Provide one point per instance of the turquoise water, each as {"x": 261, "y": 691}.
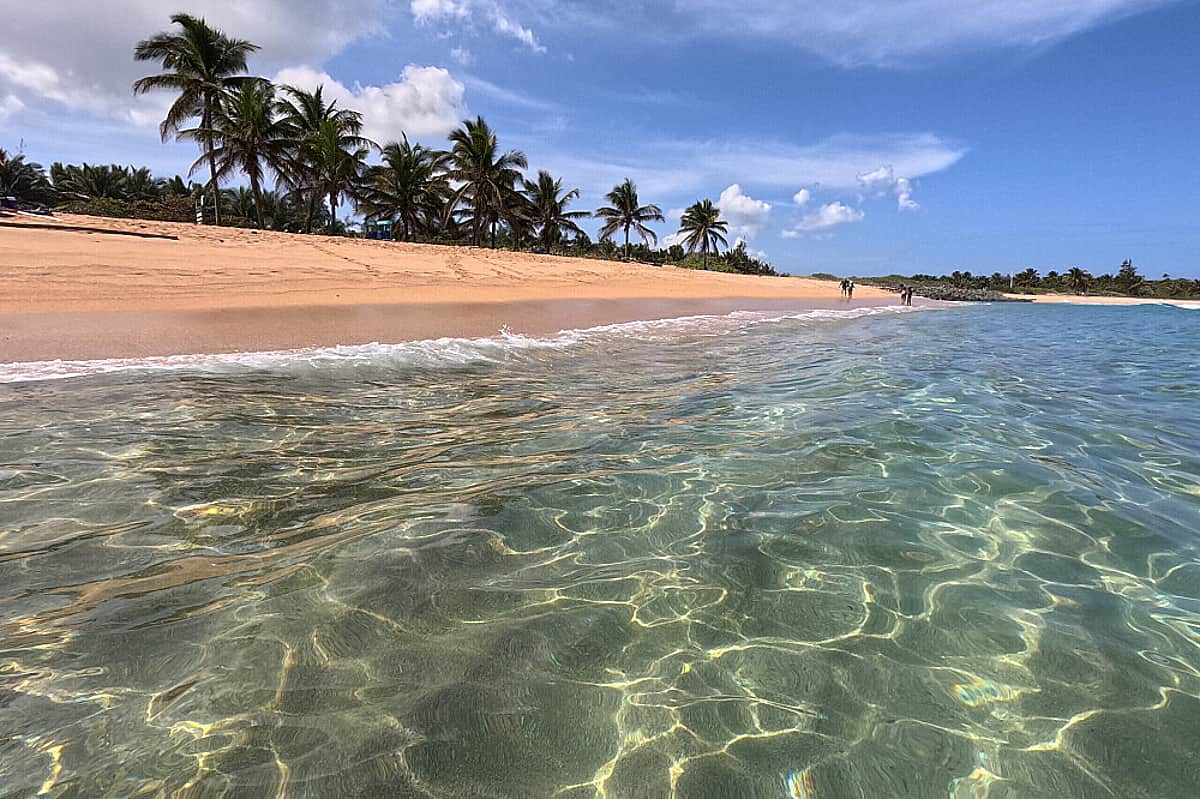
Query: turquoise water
{"x": 933, "y": 554}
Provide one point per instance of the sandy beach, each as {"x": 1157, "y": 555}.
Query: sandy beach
{"x": 155, "y": 288}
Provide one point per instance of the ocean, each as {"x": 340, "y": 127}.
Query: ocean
{"x": 880, "y": 553}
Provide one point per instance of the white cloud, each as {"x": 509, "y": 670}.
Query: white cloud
{"x": 463, "y": 56}
{"x": 671, "y": 239}
{"x": 893, "y": 32}
{"x": 746, "y": 216}
{"x": 671, "y": 167}
{"x": 759, "y": 254}
{"x": 425, "y": 10}
{"x": 825, "y": 217}
{"x": 882, "y": 182}
{"x": 802, "y": 197}
{"x": 465, "y": 12}
{"x": 425, "y": 102}
{"x": 9, "y": 105}
{"x": 80, "y": 53}
{"x": 486, "y": 87}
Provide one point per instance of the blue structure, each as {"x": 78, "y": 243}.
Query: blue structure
{"x": 379, "y": 229}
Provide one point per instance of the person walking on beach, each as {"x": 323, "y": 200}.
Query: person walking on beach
{"x": 844, "y": 284}
{"x": 908, "y": 292}
{"x": 849, "y": 289}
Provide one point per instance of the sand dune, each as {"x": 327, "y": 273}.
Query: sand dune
{"x": 77, "y": 294}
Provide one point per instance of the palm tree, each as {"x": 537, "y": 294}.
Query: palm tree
{"x": 1028, "y": 278}
{"x": 625, "y": 212}
{"x": 140, "y": 184}
{"x": 549, "y": 206}
{"x": 704, "y": 228}
{"x": 338, "y": 159}
{"x": 330, "y": 153}
{"x": 24, "y": 181}
{"x": 407, "y": 188}
{"x": 201, "y": 64}
{"x": 91, "y": 181}
{"x": 252, "y": 138}
{"x": 239, "y": 202}
{"x": 487, "y": 178}
{"x": 1078, "y": 279}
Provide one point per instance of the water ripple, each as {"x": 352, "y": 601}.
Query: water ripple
{"x": 948, "y": 554}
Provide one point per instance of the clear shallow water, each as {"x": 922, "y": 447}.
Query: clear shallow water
{"x": 932, "y": 554}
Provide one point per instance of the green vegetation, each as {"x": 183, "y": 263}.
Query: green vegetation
{"x": 203, "y": 66}
{"x": 315, "y": 156}
{"x": 1127, "y": 282}
{"x": 625, "y": 212}
{"x": 704, "y": 228}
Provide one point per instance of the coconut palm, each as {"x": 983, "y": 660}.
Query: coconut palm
{"x": 201, "y": 64}
{"x": 486, "y": 177}
{"x": 408, "y": 188}
{"x": 337, "y": 159}
{"x": 140, "y": 184}
{"x": 240, "y": 203}
{"x": 24, "y": 181}
{"x": 1027, "y": 278}
{"x": 624, "y": 212}
{"x": 251, "y": 138}
{"x": 704, "y": 229}
{"x": 91, "y": 181}
{"x": 1078, "y": 280}
{"x": 330, "y": 152}
{"x": 549, "y": 209}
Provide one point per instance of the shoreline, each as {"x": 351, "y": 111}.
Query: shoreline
{"x": 101, "y": 335}
{"x": 1094, "y": 299}
{"x": 75, "y": 294}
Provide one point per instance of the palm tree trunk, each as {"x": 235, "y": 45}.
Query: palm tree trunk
{"x": 332, "y": 212}
{"x": 257, "y": 200}
{"x": 206, "y": 122}
{"x": 627, "y": 242}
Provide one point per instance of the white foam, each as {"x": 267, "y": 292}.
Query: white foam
{"x": 425, "y": 353}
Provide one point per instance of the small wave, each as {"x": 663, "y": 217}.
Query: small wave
{"x": 427, "y": 353}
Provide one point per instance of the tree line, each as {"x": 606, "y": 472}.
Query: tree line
{"x": 303, "y": 157}
{"x": 1126, "y": 281}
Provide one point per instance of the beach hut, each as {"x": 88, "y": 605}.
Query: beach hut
{"x": 378, "y": 229}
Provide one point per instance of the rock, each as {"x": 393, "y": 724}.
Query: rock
{"x": 955, "y": 294}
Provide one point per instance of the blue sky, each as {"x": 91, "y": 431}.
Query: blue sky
{"x": 840, "y": 136}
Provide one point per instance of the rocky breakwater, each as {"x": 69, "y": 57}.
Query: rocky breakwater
{"x": 955, "y": 294}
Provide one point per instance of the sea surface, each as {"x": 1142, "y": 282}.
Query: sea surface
{"x": 930, "y": 553}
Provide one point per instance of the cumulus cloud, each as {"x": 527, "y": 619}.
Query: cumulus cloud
{"x": 746, "y": 216}
{"x": 802, "y": 197}
{"x": 825, "y": 217}
{"x": 882, "y": 182}
{"x": 892, "y": 32}
{"x": 425, "y": 102}
{"x": 468, "y": 12}
{"x": 81, "y": 55}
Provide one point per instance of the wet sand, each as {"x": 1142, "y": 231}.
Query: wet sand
{"x": 77, "y": 294}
